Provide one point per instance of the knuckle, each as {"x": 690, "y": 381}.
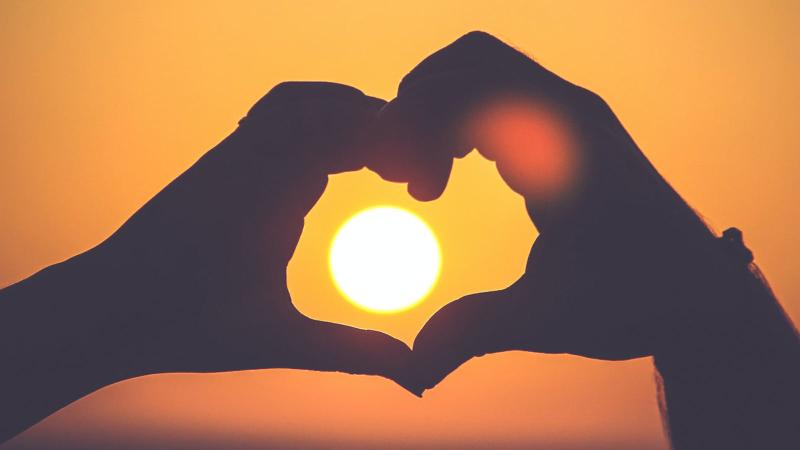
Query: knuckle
{"x": 481, "y": 40}
{"x": 478, "y": 37}
{"x": 286, "y": 89}
{"x": 302, "y": 100}
{"x": 592, "y": 99}
{"x": 318, "y": 91}
{"x": 322, "y": 89}
{"x": 474, "y": 50}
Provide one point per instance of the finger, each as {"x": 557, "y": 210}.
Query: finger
{"x": 280, "y": 155}
{"x": 328, "y": 346}
{"x": 475, "y": 51}
{"x": 320, "y": 124}
{"x": 341, "y": 144}
{"x": 421, "y": 129}
{"x": 472, "y": 326}
{"x": 409, "y": 150}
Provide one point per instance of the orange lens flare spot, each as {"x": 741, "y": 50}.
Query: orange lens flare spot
{"x": 531, "y": 144}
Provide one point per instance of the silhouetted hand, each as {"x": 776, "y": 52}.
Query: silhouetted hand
{"x": 195, "y": 281}
{"x": 622, "y": 267}
{"x": 209, "y": 253}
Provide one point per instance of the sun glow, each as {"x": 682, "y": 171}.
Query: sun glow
{"x": 385, "y": 259}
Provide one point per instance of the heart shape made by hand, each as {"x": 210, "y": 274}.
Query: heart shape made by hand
{"x": 196, "y": 279}
{"x": 589, "y": 190}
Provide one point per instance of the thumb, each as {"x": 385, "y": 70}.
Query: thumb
{"x": 472, "y": 326}
{"x": 332, "y": 347}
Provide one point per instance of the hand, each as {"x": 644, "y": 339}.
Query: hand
{"x": 614, "y": 273}
{"x": 200, "y": 270}
{"x": 195, "y": 281}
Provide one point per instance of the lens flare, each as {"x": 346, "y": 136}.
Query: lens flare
{"x": 531, "y": 143}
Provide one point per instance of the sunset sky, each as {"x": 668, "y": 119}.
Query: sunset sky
{"x": 103, "y": 103}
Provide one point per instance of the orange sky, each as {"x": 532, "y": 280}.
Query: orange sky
{"x": 102, "y": 104}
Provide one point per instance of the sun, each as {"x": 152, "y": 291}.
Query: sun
{"x": 385, "y": 259}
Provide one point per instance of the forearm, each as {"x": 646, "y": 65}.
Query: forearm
{"x": 56, "y": 343}
{"x": 735, "y": 384}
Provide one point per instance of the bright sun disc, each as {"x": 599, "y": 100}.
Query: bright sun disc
{"x": 385, "y": 259}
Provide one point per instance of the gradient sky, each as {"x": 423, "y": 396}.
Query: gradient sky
{"x": 103, "y": 103}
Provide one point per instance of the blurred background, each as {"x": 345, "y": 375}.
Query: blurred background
{"x": 103, "y": 103}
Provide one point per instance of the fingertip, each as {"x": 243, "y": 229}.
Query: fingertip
{"x": 424, "y": 192}
{"x": 430, "y": 180}
{"x": 432, "y": 380}
{"x": 416, "y": 391}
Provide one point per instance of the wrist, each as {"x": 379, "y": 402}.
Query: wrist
{"x": 53, "y": 334}
{"x": 55, "y": 344}
{"x": 745, "y": 329}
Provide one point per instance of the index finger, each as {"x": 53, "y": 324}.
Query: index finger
{"x": 420, "y": 131}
